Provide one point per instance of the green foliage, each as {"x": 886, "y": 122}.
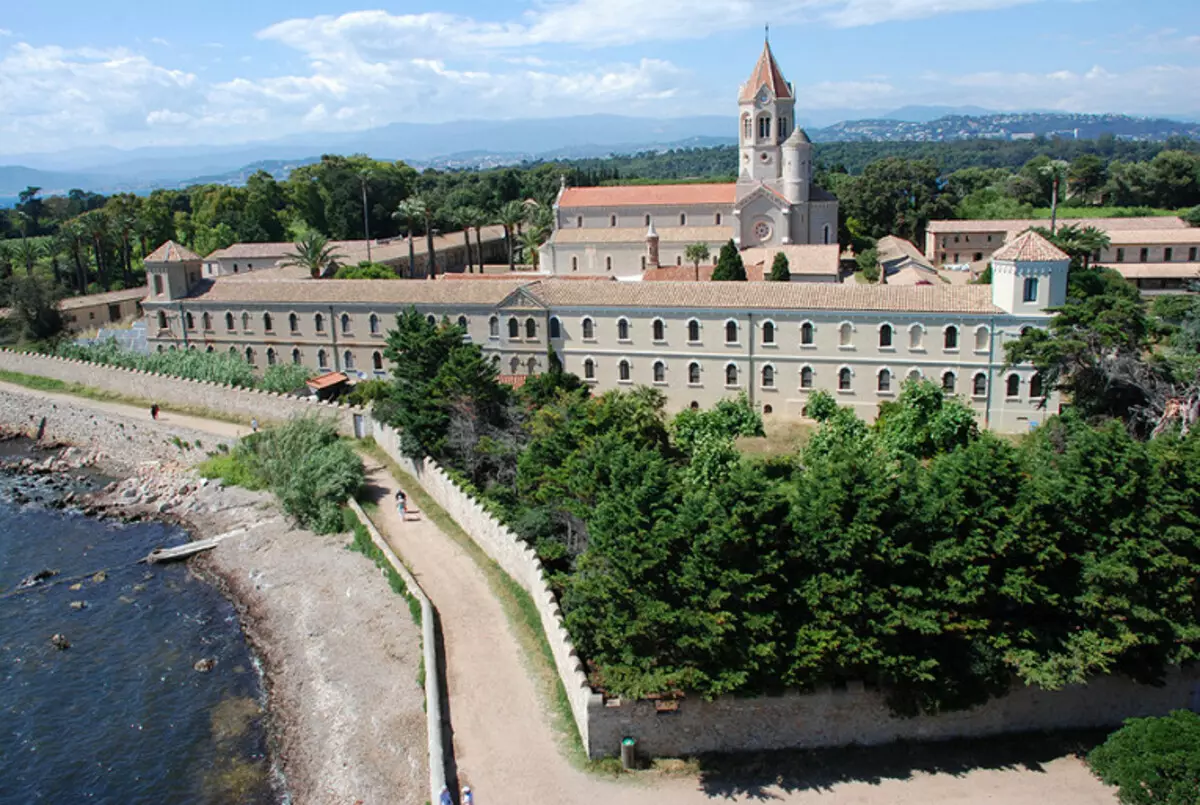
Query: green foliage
{"x": 728, "y": 419}
{"x": 365, "y": 271}
{"x": 314, "y": 253}
{"x": 923, "y": 422}
{"x": 729, "y": 265}
{"x": 1192, "y": 216}
{"x": 233, "y": 469}
{"x": 366, "y": 392}
{"x": 985, "y": 276}
{"x": 216, "y": 367}
{"x": 283, "y": 378}
{"x": 868, "y": 264}
{"x": 821, "y": 406}
{"x": 780, "y": 271}
{"x": 1153, "y": 761}
{"x": 34, "y": 303}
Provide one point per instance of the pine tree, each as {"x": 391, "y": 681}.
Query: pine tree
{"x": 780, "y": 271}
{"x": 729, "y": 265}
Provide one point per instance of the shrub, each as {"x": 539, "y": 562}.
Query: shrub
{"x": 1153, "y": 761}
{"x": 868, "y": 264}
{"x": 284, "y": 377}
{"x": 234, "y": 469}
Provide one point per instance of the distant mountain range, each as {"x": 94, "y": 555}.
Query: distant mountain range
{"x": 485, "y": 144}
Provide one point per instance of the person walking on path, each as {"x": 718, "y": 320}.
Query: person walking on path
{"x": 154, "y": 411}
{"x": 445, "y": 798}
{"x": 401, "y": 504}
{"x": 467, "y": 797}
{"x": 253, "y": 425}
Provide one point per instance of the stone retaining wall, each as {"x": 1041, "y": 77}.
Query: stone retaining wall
{"x": 228, "y": 400}
{"x": 518, "y": 560}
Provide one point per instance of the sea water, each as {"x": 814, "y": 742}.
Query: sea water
{"x": 122, "y": 715}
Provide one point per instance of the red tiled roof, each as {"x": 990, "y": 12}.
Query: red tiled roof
{"x": 648, "y": 194}
{"x": 516, "y": 381}
{"x": 765, "y": 72}
{"x": 325, "y": 381}
{"x": 1030, "y": 248}
{"x": 171, "y": 252}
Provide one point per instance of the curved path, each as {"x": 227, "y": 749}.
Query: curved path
{"x": 506, "y": 750}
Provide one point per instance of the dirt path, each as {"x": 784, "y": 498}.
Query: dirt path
{"x": 166, "y": 418}
{"x": 507, "y": 752}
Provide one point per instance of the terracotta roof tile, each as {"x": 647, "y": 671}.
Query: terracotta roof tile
{"x": 676, "y": 195}
{"x": 803, "y": 258}
{"x": 1017, "y": 225}
{"x": 1030, "y": 248}
{"x": 387, "y": 292}
{"x": 171, "y": 252}
{"x": 109, "y": 298}
{"x": 766, "y": 72}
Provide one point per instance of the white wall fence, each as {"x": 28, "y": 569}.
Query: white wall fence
{"x": 517, "y": 559}
{"x": 229, "y": 400}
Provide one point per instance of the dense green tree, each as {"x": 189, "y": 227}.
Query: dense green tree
{"x": 897, "y": 196}
{"x": 1152, "y": 761}
{"x": 729, "y": 266}
{"x": 365, "y": 271}
{"x": 780, "y": 272}
{"x": 34, "y": 303}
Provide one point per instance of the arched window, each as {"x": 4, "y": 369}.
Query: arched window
{"x": 914, "y": 375}
{"x": 589, "y": 369}
{"x": 885, "y": 380}
{"x": 189, "y": 321}
{"x": 514, "y": 328}
{"x": 949, "y": 381}
{"x": 532, "y": 365}
{"x": 1031, "y": 290}
{"x": 250, "y": 355}
{"x": 162, "y": 320}
{"x": 377, "y": 361}
{"x": 608, "y": 263}
{"x": 694, "y": 373}
{"x": 229, "y": 322}
{"x": 623, "y": 371}
{"x": 916, "y": 337}
{"x": 768, "y": 409}
{"x": 348, "y": 360}
{"x": 747, "y": 132}
{"x": 345, "y": 324}
{"x": 171, "y": 348}
{"x": 270, "y": 356}
{"x": 268, "y": 323}
{"x": 768, "y": 332}
{"x": 209, "y": 349}
{"x": 493, "y": 327}
{"x": 1012, "y": 385}
{"x": 555, "y": 327}
{"x": 293, "y": 323}
{"x": 979, "y": 385}
{"x": 764, "y": 127}
{"x": 718, "y": 219}
{"x": 1035, "y": 387}
{"x": 846, "y": 334}
{"x": 659, "y": 330}
{"x": 373, "y": 324}
{"x": 296, "y": 355}
{"x": 683, "y": 219}
{"x": 622, "y": 329}
{"x": 574, "y": 263}
{"x": 825, "y": 232}
{"x": 731, "y": 375}
{"x": 981, "y": 338}
{"x": 462, "y": 322}
{"x": 694, "y": 331}
{"x": 660, "y": 372}
{"x": 695, "y": 406}
{"x": 322, "y": 359}
{"x": 950, "y": 337}
{"x": 885, "y": 336}
{"x": 514, "y": 365}
{"x": 206, "y": 319}
{"x": 844, "y": 378}
{"x": 431, "y": 320}
{"x": 806, "y": 334}
{"x": 530, "y": 328}
{"x": 768, "y": 377}
{"x": 731, "y": 332}
{"x": 806, "y": 377}
{"x": 319, "y": 323}
{"x": 158, "y": 285}
{"x": 647, "y": 220}
{"x": 245, "y": 321}
{"x": 612, "y": 220}
{"x": 589, "y": 330}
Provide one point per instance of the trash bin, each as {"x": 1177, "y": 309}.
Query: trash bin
{"x": 628, "y": 753}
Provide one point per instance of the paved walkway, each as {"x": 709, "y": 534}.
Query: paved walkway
{"x": 507, "y": 752}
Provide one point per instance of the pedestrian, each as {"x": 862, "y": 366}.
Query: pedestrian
{"x": 253, "y": 425}
{"x": 401, "y": 503}
{"x": 467, "y": 797}
{"x": 445, "y": 798}
{"x": 154, "y": 411}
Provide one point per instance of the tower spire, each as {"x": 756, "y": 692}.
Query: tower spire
{"x": 767, "y": 34}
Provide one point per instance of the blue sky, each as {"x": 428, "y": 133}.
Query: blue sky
{"x": 129, "y": 73}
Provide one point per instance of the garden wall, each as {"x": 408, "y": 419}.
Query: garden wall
{"x": 517, "y": 559}
{"x": 266, "y": 406}
{"x": 858, "y": 716}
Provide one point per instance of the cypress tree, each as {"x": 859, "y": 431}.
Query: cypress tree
{"x": 780, "y": 271}
{"x": 729, "y": 265}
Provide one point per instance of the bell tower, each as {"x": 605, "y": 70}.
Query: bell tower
{"x": 766, "y": 117}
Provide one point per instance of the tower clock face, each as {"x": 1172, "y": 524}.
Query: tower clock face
{"x": 762, "y": 97}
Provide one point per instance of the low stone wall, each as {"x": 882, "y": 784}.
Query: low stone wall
{"x": 518, "y": 560}
{"x": 238, "y": 402}
{"x": 858, "y": 716}
{"x": 120, "y": 442}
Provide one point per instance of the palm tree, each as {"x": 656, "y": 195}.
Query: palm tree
{"x": 406, "y": 214}
{"x": 462, "y": 218}
{"x": 477, "y": 220}
{"x": 511, "y": 216}
{"x": 96, "y": 225}
{"x": 1056, "y": 169}
{"x": 27, "y": 253}
{"x": 364, "y": 176}
{"x": 695, "y": 254}
{"x": 76, "y": 237}
{"x": 313, "y": 252}
{"x": 6, "y": 260}
{"x": 420, "y": 207}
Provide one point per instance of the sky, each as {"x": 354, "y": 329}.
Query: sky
{"x": 128, "y": 73}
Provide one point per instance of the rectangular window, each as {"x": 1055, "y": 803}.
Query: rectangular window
{"x": 1031, "y": 289}
{"x": 1168, "y": 254}
{"x": 1120, "y": 255}
{"x": 1192, "y": 254}
{"x": 1143, "y": 255}
{"x": 158, "y": 285}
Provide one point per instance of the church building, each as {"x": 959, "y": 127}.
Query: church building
{"x": 624, "y": 231}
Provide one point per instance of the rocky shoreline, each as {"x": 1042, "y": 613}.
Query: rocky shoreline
{"x": 338, "y": 652}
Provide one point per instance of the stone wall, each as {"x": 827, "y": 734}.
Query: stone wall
{"x": 518, "y": 560}
{"x": 858, "y": 716}
{"x": 120, "y": 442}
{"x": 228, "y": 400}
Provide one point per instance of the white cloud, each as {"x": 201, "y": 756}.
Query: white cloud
{"x": 158, "y": 40}
{"x": 5, "y": 32}
{"x": 166, "y": 117}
